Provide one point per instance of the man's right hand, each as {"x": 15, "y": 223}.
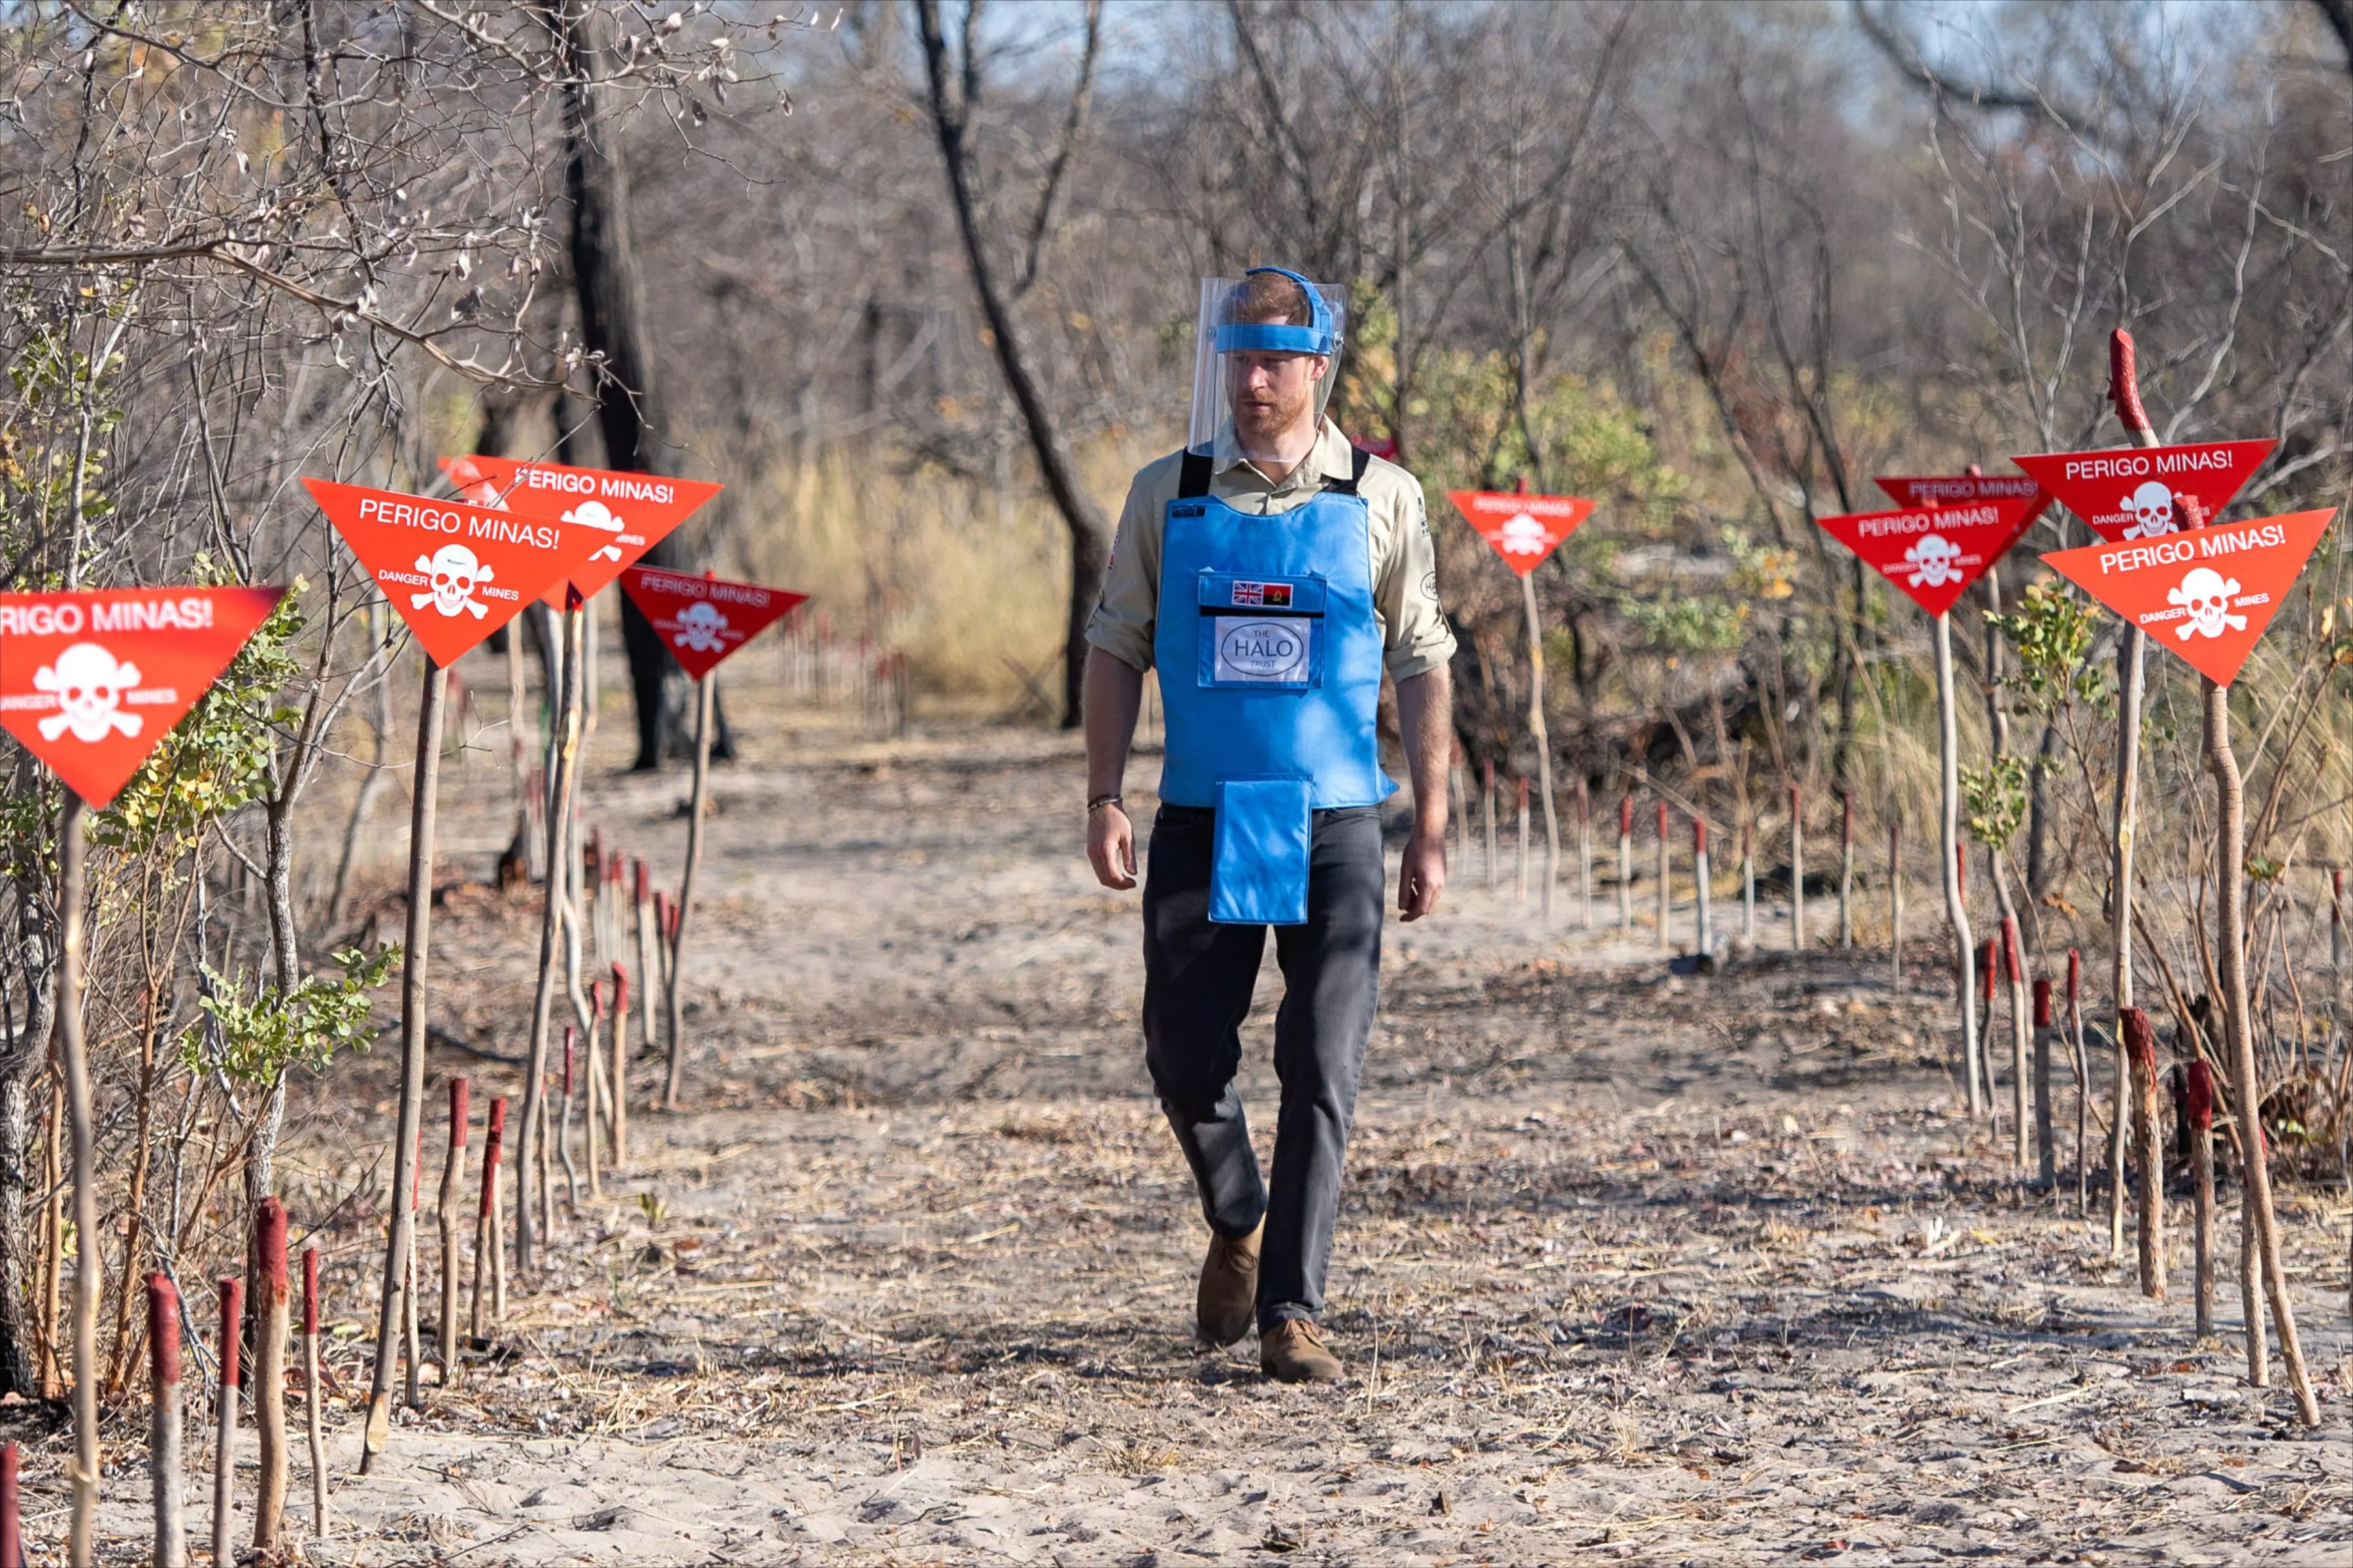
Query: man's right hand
{"x": 1111, "y": 846}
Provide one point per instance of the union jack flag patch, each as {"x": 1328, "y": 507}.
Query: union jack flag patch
{"x": 1264, "y": 595}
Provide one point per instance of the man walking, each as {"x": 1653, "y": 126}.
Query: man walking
{"x": 1272, "y": 573}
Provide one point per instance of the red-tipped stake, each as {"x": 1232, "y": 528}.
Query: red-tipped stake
{"x": 620, "y": 1045}
{"x": 164, "y": 1457}
{"x": 2199, "y": 1094}
{"x": 12, "y": 1518}
{"x": 563, "y": 1128}
{"x": 1989, "y": 960}
{"x": 2140, "y": 1046}
{"x": 667, "y": 912}
{"x": 313, "y": 1396}
{"x": 489, "y": 1228}
{"x": 269, "y": 1373}
{"x": 453, "y": 1178}
{"x": 232, "y": 1305}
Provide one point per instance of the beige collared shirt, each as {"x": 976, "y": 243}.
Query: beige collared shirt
{"x": 1414, "y": 635}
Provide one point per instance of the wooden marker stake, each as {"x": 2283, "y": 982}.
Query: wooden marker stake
{"x": 269, "y": 1373}
{"x": 1705, "y": 935}
{"x": 1988, "y": 958}
{"x": 165, "y": 1462}
{"x": 593, "y": 1069}
{"x": 315, "y": 1398}
{"x": 530, "y": 1139}
{"x": 1846, "y": 871}
{"x": 232, "y": 1303}
{"x": 698, "y": 803}
{"x": 620, "y": 1042}
{"x": 564, "y": 1129}
{"x": 400, "y": 1241}
{"x": 72, "y": 894}
{"x": 2020, "y": 1077}
{"x": 2123, "y": 395}
{"x": 1665, "y": 896}
{"x": 1537, "y": 732}
{"x": 2140, "y": 1045}
{"x": 1626, "y": 867}
{"x": 2045, "y": 1145}
{"x": 490, "y": 1232}
{"x": 453, "y": 1177}
{"x": 1949, "y": 822}
{"x": 12, "y": 1515}
{"x": 2230, "y": 953}
{"x": 2199, "y": 1094}
{"x": 2082, "y": 1080}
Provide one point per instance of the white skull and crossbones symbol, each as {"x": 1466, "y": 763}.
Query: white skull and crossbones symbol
{"x": 699, "y": 626}
{"x": 596, "y": 514}
{"x": 455, "y": 573}
{"x": 1934, "y": 562}
{"x": 1524, "y": 535}
{"x": 89, "y": 684}
{"x": 2151, "y": 507}
{"x": 2206, "y": 595}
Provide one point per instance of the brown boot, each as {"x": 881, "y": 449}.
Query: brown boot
{"x": 1227, "y": 1299}
{"x": 1293, "y": 1352}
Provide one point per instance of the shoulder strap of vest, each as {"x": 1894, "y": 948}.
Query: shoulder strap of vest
{"x": 1193, "y": 476}
{"x": 1358, "y": 461}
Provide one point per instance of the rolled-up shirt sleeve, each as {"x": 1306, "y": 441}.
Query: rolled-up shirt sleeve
{"x": 1405, "y": 592}
{"x": 1125, "y": 613}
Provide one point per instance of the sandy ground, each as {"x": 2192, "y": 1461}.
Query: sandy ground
{"x": 1634, "y": 1267}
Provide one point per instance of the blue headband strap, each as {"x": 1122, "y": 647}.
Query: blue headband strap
{"x": 1276, "y": 337}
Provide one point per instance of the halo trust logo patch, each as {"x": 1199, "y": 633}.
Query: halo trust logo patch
{"x": 1269, "y": 650}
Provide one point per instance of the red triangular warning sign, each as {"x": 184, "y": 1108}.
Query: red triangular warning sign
{"x": 2208, "y": 593}
{"x": 91, "y": 682}
{"x": 1958, "y": 489}
{"x": 2129, "y": 492}
{"x": 703, "y": 619}
{"x": 1523, "y": 530}
{"x": 455, "y": 571}
{"x": 1934, "y": 554}
{"x": 636, "y": 510}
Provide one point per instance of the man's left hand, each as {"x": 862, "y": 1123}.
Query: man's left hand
{"x": 1423, "y": 876}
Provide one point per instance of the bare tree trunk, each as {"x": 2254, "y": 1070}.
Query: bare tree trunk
{"x": 1956, "y": 907}
{"x": 954, "y": 96}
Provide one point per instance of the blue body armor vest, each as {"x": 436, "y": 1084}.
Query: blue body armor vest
{"x": 1270, "y": 659}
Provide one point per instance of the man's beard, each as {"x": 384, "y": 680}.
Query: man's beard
{"x": 1264, "y": 421}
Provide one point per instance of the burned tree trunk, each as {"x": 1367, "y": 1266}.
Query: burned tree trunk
{"x": 629, "y": 406}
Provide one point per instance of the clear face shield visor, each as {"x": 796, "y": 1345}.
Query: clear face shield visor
{"x": 1262, "y": 376}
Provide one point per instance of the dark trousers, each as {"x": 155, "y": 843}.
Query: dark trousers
{"x": 1197, "y": 979}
